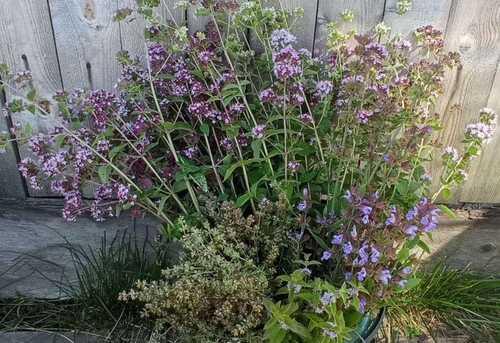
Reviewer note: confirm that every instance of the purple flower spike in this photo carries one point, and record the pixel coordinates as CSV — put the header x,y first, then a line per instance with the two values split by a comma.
x,y
361,275
362,304
385,276
337,239
375,255
411,231
347,248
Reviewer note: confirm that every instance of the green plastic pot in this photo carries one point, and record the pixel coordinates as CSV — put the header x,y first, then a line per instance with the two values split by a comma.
x,y
368,328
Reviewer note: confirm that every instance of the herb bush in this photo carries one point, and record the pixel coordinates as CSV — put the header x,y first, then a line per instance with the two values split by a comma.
x,y
341,143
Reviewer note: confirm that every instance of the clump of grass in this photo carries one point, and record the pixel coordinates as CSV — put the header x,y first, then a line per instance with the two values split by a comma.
x,y
113,267
459,300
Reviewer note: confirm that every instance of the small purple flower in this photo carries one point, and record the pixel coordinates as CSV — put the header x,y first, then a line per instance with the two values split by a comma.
x,y
362,304
282,38
337,239
206,56
307,271
190,152
402,283
411,231
327,255
227,143
391,220
306,118
354,232
347,248
406,271
480,131
349,197
451,153
385,276
327,298
258,131
363,116
267,96
361,275
412,213
323,89
294,166
302,206
329,333
404,44
375,255
123,193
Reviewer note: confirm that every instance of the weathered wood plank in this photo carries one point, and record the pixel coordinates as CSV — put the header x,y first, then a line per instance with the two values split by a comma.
x,y
132,31
87,41
194,22
367,14
11,184
27,43
473,29
484,179
422,12
304,28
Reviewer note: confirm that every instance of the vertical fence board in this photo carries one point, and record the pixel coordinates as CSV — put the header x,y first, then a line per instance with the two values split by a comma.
x,y
132,31
27,42
11,184
484,179
473,29
422,12
194,22
367,14
304,28
87,41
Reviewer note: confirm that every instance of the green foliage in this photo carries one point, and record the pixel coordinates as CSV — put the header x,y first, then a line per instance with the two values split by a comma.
x,y
103,273
459,299
219,286
314,310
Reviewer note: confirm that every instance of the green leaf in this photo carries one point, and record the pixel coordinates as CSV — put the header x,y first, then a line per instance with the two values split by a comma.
x,y
297,328
238,164
205,129
448,211
412,283
424,246
103,172
256,148
446,193
242,200
403,254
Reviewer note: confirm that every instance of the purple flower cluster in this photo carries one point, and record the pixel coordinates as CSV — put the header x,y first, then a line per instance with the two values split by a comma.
x,y
102,104
258,131
157,57
423,217
29,170
323,89
281,39
480,131
364,115
287,63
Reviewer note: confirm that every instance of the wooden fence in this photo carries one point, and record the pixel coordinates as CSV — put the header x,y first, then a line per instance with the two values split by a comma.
x,y
73,43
